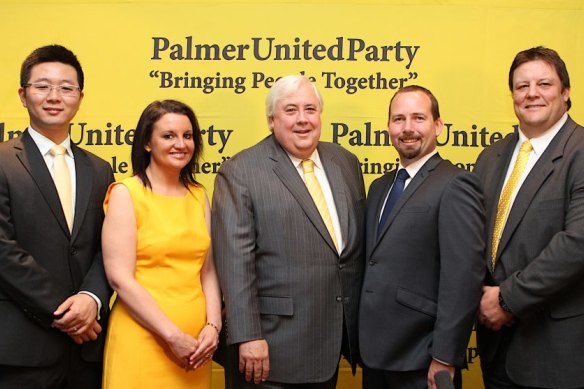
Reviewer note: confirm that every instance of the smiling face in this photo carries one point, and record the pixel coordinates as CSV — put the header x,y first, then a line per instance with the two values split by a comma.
x,y
296,121
538,98
171,145
412,128
50,114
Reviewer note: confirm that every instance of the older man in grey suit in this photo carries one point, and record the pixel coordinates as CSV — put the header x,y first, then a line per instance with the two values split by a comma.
x,y
424,256
532,309
288,240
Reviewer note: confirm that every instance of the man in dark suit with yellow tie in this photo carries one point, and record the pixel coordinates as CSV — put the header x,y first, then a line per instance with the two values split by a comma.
x,y
54,294
424,251
532,309
288,241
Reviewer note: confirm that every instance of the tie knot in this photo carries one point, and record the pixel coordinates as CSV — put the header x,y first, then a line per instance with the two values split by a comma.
x,y
526,147
402,175
307,165
58,150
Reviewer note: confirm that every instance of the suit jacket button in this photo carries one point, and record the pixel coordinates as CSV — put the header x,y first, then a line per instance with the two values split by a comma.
x,y
341,265
372,262
339,299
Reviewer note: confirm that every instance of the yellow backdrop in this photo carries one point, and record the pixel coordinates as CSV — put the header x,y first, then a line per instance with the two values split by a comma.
x,y
222,56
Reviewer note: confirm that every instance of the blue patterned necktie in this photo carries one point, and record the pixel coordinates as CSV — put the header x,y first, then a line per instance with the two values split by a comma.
x,y
396,191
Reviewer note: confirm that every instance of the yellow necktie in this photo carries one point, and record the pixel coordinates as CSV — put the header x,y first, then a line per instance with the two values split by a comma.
x,y
62,179
316,192
505,199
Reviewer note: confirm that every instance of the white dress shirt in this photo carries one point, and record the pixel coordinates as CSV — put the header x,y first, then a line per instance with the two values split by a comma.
x,y
412,170
539,145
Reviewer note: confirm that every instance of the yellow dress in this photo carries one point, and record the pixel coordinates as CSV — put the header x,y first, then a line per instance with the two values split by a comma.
x,y
172,243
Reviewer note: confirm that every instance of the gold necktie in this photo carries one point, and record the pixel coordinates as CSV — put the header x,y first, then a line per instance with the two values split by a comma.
x,y
316,192
62,179
505,199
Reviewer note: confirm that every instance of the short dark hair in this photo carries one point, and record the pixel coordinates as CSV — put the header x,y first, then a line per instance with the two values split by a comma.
x,y
547,55
434,107
51,53
151,114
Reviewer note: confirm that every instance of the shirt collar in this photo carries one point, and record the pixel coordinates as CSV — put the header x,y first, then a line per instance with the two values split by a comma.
x,y
315,157
540,143
45,144
415,167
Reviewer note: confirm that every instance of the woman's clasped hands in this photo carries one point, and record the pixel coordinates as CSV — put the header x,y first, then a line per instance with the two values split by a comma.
x,y
193,353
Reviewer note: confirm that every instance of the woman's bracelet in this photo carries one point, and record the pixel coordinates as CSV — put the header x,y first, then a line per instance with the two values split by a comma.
x,y
214,326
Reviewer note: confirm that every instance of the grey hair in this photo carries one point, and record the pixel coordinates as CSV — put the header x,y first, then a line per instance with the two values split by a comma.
x,y
284,87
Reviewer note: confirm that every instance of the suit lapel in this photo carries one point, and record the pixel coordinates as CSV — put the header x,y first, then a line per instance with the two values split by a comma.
x,y
288,175
84,186
30,156
534,180
409,191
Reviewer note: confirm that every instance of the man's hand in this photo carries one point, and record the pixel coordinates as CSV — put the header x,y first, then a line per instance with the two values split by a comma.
x,y
254,360
76,315
90,334
491,315
435,367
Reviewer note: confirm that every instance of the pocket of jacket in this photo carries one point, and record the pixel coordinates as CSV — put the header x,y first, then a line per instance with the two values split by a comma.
x,y
570,306
417,302
270,305
558,203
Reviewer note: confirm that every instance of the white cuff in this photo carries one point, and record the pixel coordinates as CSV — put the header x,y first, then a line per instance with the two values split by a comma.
x,y
97,300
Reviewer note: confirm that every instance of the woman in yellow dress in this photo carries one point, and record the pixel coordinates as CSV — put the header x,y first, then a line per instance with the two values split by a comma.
x,y
166,318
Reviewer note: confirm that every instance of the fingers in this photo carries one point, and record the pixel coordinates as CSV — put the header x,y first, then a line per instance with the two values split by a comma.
x,y
203,354
76,328
76,314
265,370
77,339
208,341
254,360
257,370
84,334
201,360
65,305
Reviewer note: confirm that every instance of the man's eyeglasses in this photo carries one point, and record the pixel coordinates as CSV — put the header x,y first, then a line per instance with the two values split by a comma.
x,y
45,89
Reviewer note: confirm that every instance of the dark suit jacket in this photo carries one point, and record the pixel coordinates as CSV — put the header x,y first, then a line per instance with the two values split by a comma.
x,y
41,263
540,261
423,276
280,273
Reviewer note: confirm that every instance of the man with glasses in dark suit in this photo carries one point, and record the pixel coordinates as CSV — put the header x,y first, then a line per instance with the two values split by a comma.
x,y
54,294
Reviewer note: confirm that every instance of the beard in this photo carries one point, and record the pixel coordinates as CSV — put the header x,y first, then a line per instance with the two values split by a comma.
x,y
408,153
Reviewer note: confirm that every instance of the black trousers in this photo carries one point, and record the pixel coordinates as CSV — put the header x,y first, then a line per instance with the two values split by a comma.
x,y
71,372
494,371
415,379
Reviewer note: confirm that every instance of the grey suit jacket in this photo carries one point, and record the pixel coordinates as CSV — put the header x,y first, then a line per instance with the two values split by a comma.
x,y
423,275
280,273
540,261
41,262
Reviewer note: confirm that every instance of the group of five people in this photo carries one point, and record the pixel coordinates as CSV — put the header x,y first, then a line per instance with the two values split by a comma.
x,y
306,268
